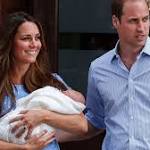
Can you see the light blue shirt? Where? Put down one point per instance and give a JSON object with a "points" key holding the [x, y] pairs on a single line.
{"points": [[20, 92], [118, 100]]}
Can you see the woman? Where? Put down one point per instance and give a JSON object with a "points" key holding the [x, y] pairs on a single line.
{"points": [[24, 68]]}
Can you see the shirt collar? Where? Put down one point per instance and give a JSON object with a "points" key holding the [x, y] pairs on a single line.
{"points": [[145, 50], [115, 51]]}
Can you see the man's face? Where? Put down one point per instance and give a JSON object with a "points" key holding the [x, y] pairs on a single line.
{"points": [[133, 27]]}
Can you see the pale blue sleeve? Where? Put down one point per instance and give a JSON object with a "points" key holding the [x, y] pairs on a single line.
{"points": [[61, 80], [52, 146], [94, 105]]}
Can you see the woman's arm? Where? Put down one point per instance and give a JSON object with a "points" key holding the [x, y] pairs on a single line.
{"points": [[10, 146], [34, 143], [63, 136], [76, 124]]}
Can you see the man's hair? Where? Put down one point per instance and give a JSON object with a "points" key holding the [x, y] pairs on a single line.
{"points": [[117, 7]]}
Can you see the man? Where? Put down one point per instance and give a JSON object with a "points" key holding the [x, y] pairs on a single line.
{"points": [[118, 97]]}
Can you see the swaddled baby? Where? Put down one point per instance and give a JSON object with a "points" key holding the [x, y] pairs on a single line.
{"points": [[48, 98]]}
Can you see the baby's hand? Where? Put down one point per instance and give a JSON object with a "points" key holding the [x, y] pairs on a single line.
{"points": [[75, 95]]}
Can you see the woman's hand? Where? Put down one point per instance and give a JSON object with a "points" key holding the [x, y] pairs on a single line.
{"points": [[29, 119], [39, 141]]}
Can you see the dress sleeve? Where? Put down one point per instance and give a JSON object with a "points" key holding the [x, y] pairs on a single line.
{"points": [[58, 77]]}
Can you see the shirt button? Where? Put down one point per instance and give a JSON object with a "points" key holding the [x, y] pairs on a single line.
{"points": [[131, 137], [131, 98], [131, 117], [131, 80]]}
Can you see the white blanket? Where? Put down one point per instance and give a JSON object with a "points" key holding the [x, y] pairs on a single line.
{"points": [[48, 98]]}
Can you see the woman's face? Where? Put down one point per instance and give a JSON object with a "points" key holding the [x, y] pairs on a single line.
{"points": [[27, 43]]}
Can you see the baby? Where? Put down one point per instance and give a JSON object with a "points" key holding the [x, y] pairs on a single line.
{"points": [[48, 98]]}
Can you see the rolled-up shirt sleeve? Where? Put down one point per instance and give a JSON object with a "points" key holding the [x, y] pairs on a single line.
{"points": [[94, 104]]}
